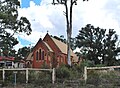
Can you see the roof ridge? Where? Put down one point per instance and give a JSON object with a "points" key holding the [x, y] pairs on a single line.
{"points": [[58, 40], [48, 46]]}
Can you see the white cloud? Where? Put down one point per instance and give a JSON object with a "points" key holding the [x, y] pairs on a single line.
{"points": [[34, 37], [47, 17]]}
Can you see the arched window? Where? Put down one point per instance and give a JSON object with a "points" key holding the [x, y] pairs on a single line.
{"points": [[37, 55], [43, 55]]}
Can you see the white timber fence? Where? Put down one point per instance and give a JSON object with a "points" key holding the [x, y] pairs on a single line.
{"points": [[27, 71], [97, 68]]}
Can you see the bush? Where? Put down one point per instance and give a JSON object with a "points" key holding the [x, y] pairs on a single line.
{"points": [[105, 78], [44, 66], [62, 72], [40, 78], [112, 77], [0, 75], [43, 79], [93, 78], [21, 77], [9, 76]]}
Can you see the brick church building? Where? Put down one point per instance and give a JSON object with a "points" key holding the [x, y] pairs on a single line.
{"points": [[49, 51]]}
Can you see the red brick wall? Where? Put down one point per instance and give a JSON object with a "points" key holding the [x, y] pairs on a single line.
{"points": [[61, 58], [50, 42], [38, 63]]}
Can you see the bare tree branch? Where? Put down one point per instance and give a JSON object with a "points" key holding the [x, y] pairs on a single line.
{"points": [[74, 2], [64, 13], [59, 2]]}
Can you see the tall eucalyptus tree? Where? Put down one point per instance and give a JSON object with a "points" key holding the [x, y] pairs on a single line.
{"points": [[68, 14]]}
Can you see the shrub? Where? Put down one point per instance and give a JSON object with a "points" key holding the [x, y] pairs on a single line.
{"points": [[45, 66], [9, 76], [43, 78], [103, 78], [0, 75], [63, 72], [93, 78], [40, 78], [21, 77]]}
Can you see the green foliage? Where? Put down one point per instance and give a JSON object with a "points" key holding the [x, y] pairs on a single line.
{"points": [[103, 78], [7, 42], [96, 45], [88, 63], [93, 78], [10, 24], [0, 75], [54, 61], [61, 38], [23, 52], [40, 78], [9, 76], [21, 77], [9, 17], [72, 44], [63, 72], [44, 66], [100, 65]]}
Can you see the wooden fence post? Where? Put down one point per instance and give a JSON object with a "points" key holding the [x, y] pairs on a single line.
{"points": [[53, 75], [26, 75], [85, 74], [3, 75]]}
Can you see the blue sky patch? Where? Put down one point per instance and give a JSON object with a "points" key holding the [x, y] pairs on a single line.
{"points": [[23, 41], [26, 3]]}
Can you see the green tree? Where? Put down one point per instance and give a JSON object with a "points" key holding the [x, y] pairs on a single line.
{"points": [[61, 38], [10, 24], [72, 44], [97, 45], [23, 52], [7, 42], [68, 14]]}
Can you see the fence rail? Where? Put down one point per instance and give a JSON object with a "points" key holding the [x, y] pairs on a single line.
{"points": [[27, 71], [96, 68], [107, 67]]}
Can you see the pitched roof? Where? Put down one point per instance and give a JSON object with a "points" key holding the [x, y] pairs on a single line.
{"points": [[62, 46], [7, 58], [48, 46], [30, 56]]}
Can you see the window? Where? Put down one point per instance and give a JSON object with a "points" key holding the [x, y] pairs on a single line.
{"points": [[42, 55], [37, 55]]}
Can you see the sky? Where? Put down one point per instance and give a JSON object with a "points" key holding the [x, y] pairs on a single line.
{"points": [[44, 17]]}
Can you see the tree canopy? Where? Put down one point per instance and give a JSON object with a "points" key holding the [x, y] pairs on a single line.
{"points": [[97, 45], [24, 52], [11, 24]]}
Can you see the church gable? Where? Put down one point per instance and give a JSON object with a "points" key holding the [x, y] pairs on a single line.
{"points": [[46, 49], [51, 43]]}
